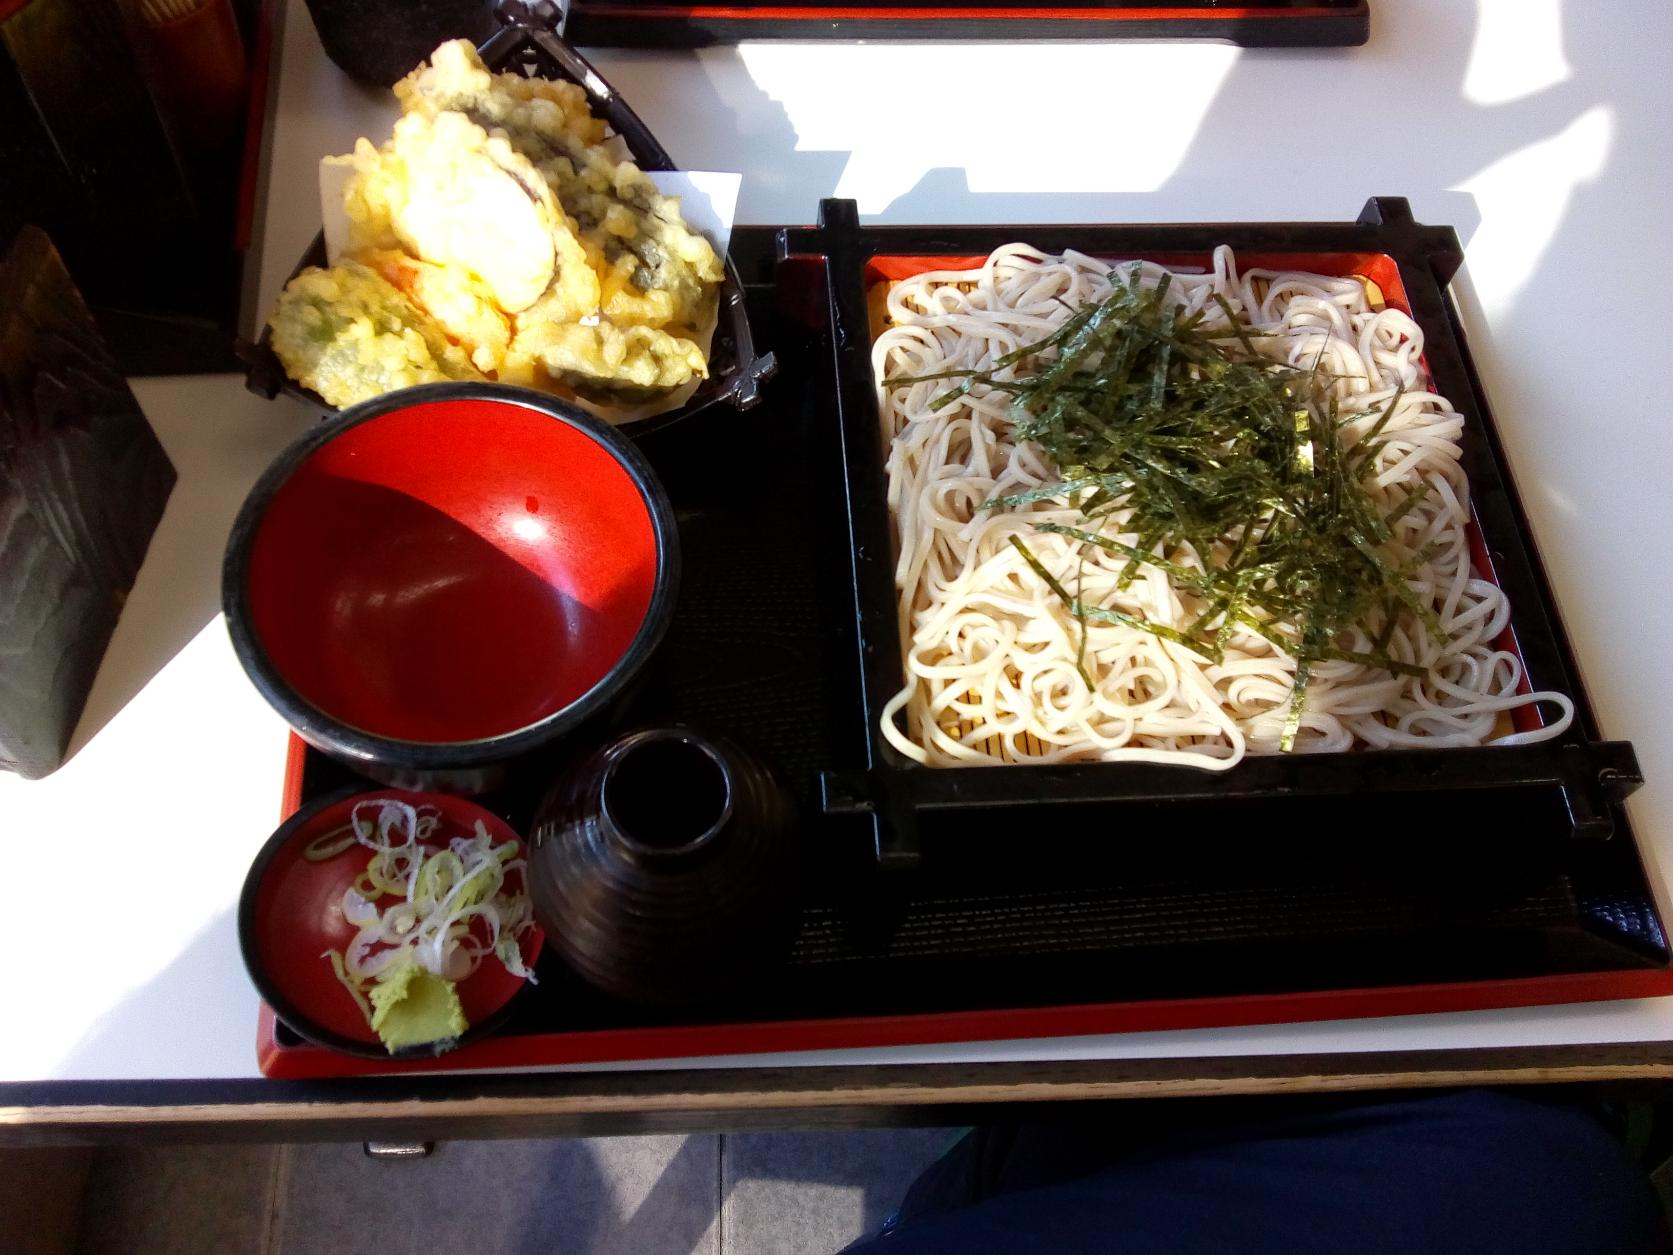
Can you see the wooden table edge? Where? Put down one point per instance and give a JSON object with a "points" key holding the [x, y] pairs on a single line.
{"points": [[699, 1100]]}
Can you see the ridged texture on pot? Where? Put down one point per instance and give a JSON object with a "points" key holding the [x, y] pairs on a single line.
{"points": [[665, 927]]}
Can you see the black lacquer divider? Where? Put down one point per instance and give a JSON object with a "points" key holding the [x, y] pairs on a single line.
{"points": [[1581, 780], [1247, 23]]}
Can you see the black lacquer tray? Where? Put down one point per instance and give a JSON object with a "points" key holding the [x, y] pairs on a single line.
{"points": [[1570, 787], [1248, 23], [1386, 885]]}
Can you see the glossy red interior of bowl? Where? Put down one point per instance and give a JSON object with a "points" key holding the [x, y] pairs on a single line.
{"points": [[452, 571], [297, 916]]}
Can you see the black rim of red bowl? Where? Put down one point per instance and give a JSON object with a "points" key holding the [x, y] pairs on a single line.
{"points": [[319, 727]]}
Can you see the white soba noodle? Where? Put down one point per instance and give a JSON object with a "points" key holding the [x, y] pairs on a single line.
{"points": [[991, 653]]}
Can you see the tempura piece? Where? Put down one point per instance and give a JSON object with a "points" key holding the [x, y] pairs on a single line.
{"points": [[461, 304], [605, 362], [617, 211], [660, 272], [574, 292], [452, 194], [349, 335], [539, 111]]}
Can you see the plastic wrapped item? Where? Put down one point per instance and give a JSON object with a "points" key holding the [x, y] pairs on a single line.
{"points": [[83, 482]]}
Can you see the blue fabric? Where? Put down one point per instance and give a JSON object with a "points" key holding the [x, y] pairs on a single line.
{"points": [[1474, 1171]]}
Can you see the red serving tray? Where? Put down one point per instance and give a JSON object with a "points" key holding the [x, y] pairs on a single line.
{"points": [[280, 1055]]}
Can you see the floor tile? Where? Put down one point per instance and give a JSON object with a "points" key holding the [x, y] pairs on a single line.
{"points": [[178, 1200], [813, 1193], [645, 1195]]}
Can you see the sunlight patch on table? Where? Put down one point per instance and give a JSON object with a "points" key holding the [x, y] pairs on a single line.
{"points": [[1534, 28], [1000, 147], [1505, 256], [128, 850]]}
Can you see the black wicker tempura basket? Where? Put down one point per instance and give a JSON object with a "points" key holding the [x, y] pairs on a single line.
{"points": [[528, 41]]}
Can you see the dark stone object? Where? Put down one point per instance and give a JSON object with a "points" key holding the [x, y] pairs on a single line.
{"points": [[660, 867], [381, 41], [83, 482]]}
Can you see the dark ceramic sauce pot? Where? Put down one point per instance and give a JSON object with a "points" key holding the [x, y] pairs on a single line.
{"points": [[661, 869]]}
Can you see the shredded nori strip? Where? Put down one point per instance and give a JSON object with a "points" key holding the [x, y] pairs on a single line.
{"points": [[1213, 450]]}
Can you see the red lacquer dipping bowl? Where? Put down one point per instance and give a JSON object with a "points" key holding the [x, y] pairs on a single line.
{"points": [[290, 914], [445, 578]]}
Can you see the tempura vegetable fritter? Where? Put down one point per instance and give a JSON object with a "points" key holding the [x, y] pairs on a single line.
{"points": [[615, 206], [634, 363], [461, 304], [450, 193], [348, 334], [500, 217]]}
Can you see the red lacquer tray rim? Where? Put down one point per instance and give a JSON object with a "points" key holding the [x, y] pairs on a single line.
{"points": [[511, 1052], [543, 1050]]}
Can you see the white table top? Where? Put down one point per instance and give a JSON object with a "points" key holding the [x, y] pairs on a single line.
{"points": [[1532, 126]]}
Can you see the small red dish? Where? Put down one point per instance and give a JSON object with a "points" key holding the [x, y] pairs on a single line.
{"points": [[290, 915], [447, 577]]}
